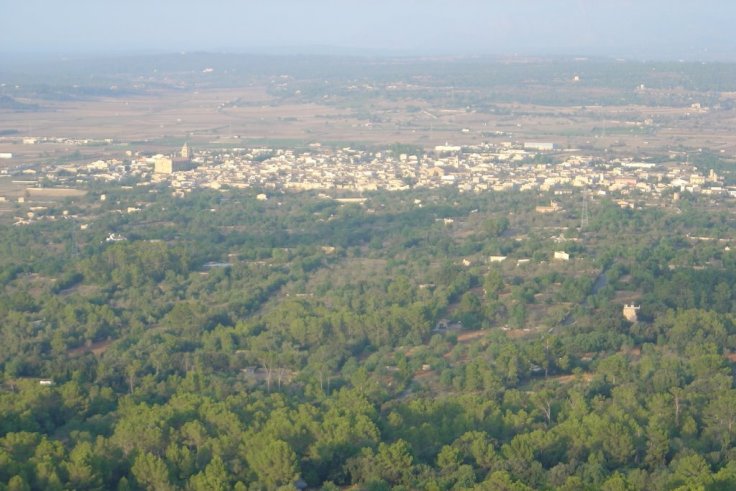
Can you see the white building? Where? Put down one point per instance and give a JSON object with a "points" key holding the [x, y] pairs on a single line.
{"points": [[543, 146], [561, 256]]}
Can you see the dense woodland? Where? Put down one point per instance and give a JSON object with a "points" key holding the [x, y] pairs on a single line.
{"points": [[234, 343]]}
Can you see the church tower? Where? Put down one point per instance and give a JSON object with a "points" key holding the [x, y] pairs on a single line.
{"points": [[185, 152]]}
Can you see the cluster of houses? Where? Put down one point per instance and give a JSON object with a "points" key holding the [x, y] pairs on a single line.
{"points": [[497, 167], [486, 167]]}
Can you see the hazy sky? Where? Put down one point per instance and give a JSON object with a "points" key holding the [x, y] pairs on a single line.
{"points": [[645, 28]]}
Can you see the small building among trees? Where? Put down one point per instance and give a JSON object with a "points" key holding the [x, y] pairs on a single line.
{"points": [[630, 312]]}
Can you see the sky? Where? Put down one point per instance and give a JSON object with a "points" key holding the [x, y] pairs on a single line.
{"points": [[649, 29]]}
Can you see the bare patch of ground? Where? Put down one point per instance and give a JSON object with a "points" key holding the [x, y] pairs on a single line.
{"points": [[97, 348]]}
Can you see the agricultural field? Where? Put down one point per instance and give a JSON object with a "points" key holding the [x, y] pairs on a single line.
{"points": [[651, 112]]}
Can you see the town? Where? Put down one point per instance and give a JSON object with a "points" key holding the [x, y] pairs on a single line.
{"points": [[527, 166]]}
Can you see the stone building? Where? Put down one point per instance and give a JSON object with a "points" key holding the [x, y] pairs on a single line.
{"points": [[630, 312], [169, 165]]}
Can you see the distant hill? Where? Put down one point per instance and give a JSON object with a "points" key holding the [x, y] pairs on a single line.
{"points": [[7, 102]]}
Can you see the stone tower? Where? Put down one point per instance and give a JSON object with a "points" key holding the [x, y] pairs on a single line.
{"points": [[630, 312]]}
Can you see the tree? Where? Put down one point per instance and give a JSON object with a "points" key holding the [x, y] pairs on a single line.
{"points": [[470, 311], [517, 315], [618, 443], [615, 483], [501, 480], [80, 469], [547, 353], [265, 348], [720, 418], [287, 357], [213, 478], [614, 368], [394, 461], [476, 447], [324, 361], [722, 297], [493, 283], [151, 473], [17, 483], [658, 445], [273, 461], [690, 472], [544, 401]]}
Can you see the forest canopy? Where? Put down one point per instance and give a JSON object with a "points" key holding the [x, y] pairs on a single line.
{"points": [[225, 342]]}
